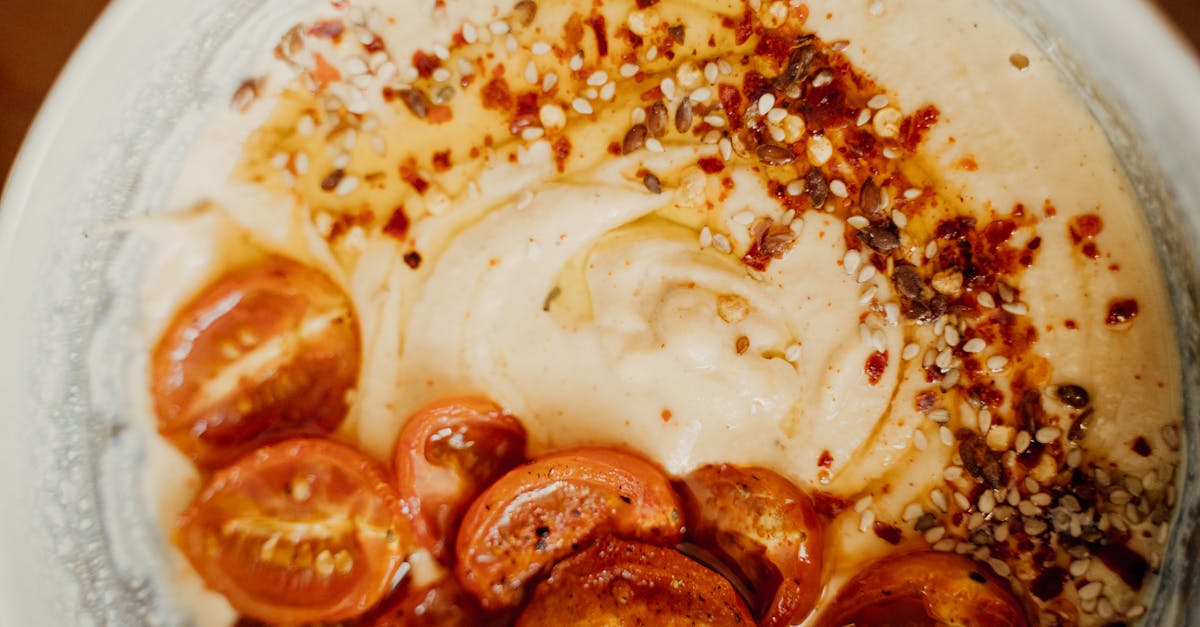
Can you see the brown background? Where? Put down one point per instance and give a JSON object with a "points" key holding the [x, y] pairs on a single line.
{"points": [[39, 35]]}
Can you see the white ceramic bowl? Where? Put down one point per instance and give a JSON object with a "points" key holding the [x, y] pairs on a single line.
{"points": [[74, 546]]}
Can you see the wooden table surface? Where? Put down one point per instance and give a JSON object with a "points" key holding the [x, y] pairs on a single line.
{"points": [[39, 35]]}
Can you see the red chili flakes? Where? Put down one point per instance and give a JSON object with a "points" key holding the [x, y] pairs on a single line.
{"points": [[828, 505], [875, 366], [914, 128], [774, 47], [653, 94], [440, 115], [1083, 230], [887, 533], [646, 4], [711, 165], [441, 161], [666, 415], [324, 73], [410, 176], [496, 94], [425, 64], [573, 32], [827, 107], [562, 150], [375, 45], [1141, 446], [526, 113], [967, 163], [1121, 311], [397, 225], [925, 401], [955, 228], [599, 29], [327, 29], [754, 86], [413, 259], [731, 102], [1070, 324], [745, 28], [1049, 583], [826, 459]]}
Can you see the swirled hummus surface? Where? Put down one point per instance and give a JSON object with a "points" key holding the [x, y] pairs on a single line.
{"points": [[878, 247]]}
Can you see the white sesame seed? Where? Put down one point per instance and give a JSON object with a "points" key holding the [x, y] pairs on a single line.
{"points": [[591, 93], [668, 88], [341, 161], [867, 296], [1079, 568], [465, 68], [864, 116], [714, 120], [531, 73], [653, 145], [890, 153], [710, 72], [862, 504], [706, 236], [910, 351], [549, 81], [1046, 435], [638, 115], [280, 160], [552, 116], [652, 53], [838, 188], [823, 78], [851, 260], [1022, 442], [946, 435], [866, 274], [765, 103], [1104, 608], [1136, 611], [793, 353], [629, 70], [499, 27], [532, 133], [743, 218], [939, 499], [721, 243], [878, 340], [726, 148], [920, 442], [867, 519], [950, 379], [1016, 309], [795, 188], [974, 345], [858, 222], [985, 420], [379, 144], [945, 546], [346, 186], [944, 359], [876, 8], [776, 133], [912, 193], [576, 62], [987, 501], [959, 499], [953, 473], [469, 33], [951, 335], [996, 363], [934, 534], [582, 106], [608, 92], [700, 94], [1091, 590], [725, 67], [1041, 499], [878, 101], [301, 163], [597, 78], [940, 416], [891, 311], [540, 48]]}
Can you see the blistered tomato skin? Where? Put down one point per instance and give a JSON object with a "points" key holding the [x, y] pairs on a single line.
{"points": [[555, 505], [302, 531], [615, 582], [265, 352], [765, 529], [446, 454], [925, 589], [443, 604]]}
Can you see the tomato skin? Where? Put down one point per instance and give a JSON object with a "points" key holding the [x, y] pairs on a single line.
{"points": [[926, 589], [446, 454], [615, 582], [265, 352], [301, 531], [548, 508]]}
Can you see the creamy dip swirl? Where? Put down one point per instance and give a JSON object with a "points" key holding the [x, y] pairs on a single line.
{"points": [[600, 311]]}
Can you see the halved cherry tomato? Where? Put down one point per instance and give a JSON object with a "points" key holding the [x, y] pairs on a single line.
{"points": [[265, 352], [549, 508], [615, 582], [300, 531], [443, 604], [925, 589], [765, 529], [446, 455]]}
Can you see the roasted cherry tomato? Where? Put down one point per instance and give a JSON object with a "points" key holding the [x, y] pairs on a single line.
{"points": [[265, 352], [925, 589], [765, 529], [615, 582], [301, 531], [444, 604], [549, 508], [446, 455]]}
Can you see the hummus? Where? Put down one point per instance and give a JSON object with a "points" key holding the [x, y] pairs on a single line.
{"points": [[493, 185]]}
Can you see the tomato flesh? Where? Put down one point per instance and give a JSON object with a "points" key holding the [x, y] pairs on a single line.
{"points": [[446, 454], [265, 352], [765, 529], [550, 507], [300, 531], [926, 589], [615, 582], [443, 604]]}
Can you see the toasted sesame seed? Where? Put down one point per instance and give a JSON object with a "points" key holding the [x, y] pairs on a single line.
{"points": [[1091, 590], [940, 416], [823, 78], [996, 363], [946, 435], [1016, 309], [862, 504], [867, 519], [987, 502], [721, 243], [1041, 499], [1119, 497], [706, 236], [919, 440], [974, 345], [1079, 568], [910, 351], [1046, 435], [1170, 435], [878, 101], [952, 473], [652, 53], [552, 116], [985, 420], [945, 546], [934, 534], [864, 116], [911, 512], [951, 335], [938, 498], [944, 359], [1036, 526], [960, 499], [931, 250], [715, 121], [1022, 441], [710, 72], [1136, 611]]}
